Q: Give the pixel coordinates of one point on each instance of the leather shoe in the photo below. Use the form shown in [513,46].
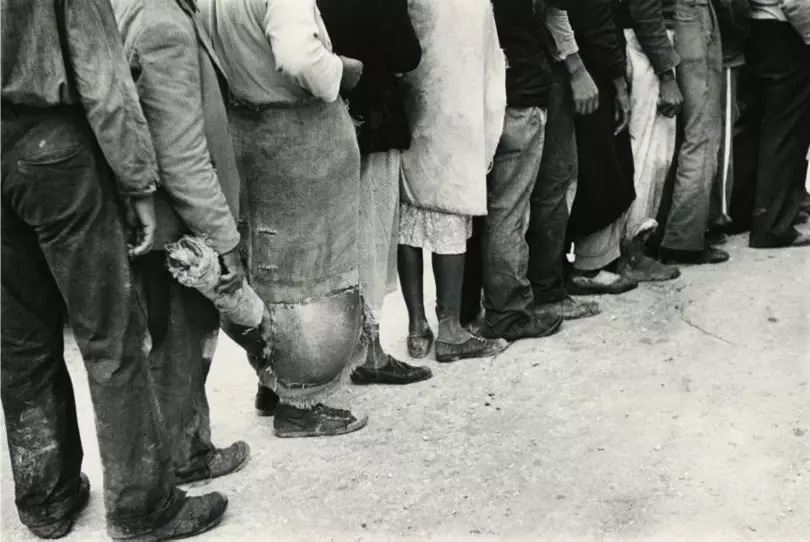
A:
[393,372]
[709,255]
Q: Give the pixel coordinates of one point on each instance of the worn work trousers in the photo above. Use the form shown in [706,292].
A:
[548,219]
[182,329]
[64,257]
[700,75]
[780,65]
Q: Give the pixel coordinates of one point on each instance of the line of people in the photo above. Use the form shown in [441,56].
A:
[319,149]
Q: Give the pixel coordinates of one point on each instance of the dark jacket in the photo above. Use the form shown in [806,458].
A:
[69,53]
[181,96]
[649,19]
[601,42]
[379,34]
[734,20]
[521,31]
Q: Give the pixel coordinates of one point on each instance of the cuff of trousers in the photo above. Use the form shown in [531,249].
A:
[120,527]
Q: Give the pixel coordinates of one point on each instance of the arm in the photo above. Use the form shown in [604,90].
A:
[560,28]
[292,29]
[170,91]
[598,36]
[108,95]
[648,24]
[585,93]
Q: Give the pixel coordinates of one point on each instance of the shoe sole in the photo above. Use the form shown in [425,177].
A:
[213,525]
[263,413]
[389,383]
[351,428]
[573,289]
[459,357]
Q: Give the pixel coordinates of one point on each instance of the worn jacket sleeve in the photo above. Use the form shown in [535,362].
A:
[170,91]
[598,38]
[292,28]
[648,24]
[108,94]
[560,29]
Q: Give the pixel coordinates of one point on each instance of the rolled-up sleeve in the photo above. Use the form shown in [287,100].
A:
[295,37]
[170,90]
[560,29]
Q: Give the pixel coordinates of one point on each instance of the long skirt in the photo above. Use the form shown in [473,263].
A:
[300,166]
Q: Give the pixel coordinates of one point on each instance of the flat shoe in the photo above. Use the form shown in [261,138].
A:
[394,372]
[419,345]
[474,347]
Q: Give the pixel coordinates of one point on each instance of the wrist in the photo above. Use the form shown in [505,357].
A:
[667,76]
[573,63]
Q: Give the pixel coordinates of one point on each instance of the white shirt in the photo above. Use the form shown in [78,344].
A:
[273,51]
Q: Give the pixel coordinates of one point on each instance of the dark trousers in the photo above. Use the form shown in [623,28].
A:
[64,257]
[548,220]
[183,326]
[779,62]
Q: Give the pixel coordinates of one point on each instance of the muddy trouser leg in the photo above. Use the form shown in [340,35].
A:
[64,255]
[183,329]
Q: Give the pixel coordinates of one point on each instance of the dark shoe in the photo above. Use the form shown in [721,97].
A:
[540,325]
[223,462]
[709,255]
[716,237]
[266,402]
[198,515]
[802,217]
[474,347]
[797,240]
[318,421]
[603,282]
[636,266]
[570,309]
[62,527]
[419,345]
[393,372]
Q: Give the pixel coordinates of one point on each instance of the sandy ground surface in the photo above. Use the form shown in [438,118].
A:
[681,413]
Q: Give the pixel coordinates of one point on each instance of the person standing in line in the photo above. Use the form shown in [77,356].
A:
[455,104]
[179,87]
[700,77]
[74,144]
[379,33]
[508,299]
[298,158]
[778,62]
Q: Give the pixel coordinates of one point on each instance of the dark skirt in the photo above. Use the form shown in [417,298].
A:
[605,188]
[300,167]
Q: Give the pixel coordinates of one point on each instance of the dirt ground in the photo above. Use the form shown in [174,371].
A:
[680,413]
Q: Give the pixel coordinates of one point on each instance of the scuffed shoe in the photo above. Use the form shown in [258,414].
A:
[318,421]
[474,347]
[603,282]
[708,255]
[570,309]
[223,462]
[266,402]
[62,528]
[419,345]
[638,267]
[197,515]
[393,372]
[538,326]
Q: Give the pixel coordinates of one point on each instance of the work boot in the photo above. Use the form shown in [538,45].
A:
[197,515]
[318,421]
[570,308]
[638,267]
[598,283]
[223,462]
[709,255]
[266,402]
[61,528]
[535,327]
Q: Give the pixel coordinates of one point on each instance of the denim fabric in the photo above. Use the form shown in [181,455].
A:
[64,257]
[507,291]
[70,53]
[548,219]
[778,60]
[700,75]
[182,329]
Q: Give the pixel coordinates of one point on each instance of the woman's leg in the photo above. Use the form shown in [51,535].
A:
[448,270]
[411,268]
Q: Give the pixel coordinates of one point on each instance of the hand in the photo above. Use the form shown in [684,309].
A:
[352,71]
[670,99]
[586,95]
[233,273]
[622,105]
[140,218]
